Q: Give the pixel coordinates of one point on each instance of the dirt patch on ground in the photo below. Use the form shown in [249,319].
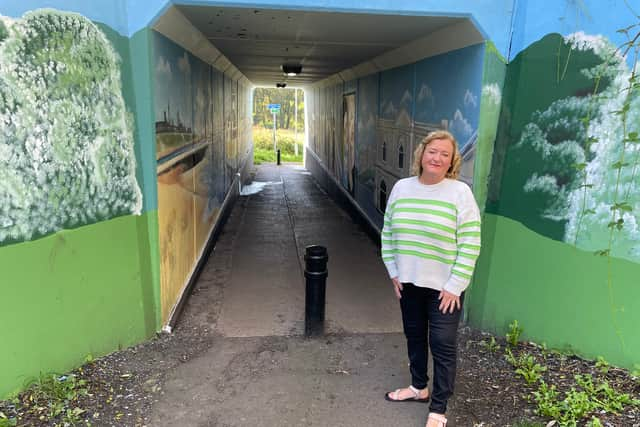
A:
[123,387]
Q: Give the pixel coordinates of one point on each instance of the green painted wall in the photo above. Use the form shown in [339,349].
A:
[94,288]
[140,63]
[74,293]
[559,294]
[551,202]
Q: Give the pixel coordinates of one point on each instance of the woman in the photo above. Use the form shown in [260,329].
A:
[430,243]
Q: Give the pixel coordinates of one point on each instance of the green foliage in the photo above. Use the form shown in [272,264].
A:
[491,345]
[6,421]
[594,422]
[513,336]
[578,403]
[268,156]
[285,119]
[602,365]
[525,366]
[59,395]
[263,146]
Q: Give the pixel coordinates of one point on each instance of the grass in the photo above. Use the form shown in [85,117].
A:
[268,156]
[285,138]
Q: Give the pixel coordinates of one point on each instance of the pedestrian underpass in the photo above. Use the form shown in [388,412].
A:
[374,85]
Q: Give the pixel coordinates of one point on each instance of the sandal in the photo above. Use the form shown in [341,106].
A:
[439,418]
[392,396]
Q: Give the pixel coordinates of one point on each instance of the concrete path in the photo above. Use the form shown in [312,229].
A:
[265,295]
[259,370]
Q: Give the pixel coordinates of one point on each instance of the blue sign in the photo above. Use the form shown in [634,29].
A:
[273,106]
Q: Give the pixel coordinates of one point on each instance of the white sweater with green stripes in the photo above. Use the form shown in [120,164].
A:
[431,234]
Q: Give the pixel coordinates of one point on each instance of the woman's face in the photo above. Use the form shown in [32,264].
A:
[436,159]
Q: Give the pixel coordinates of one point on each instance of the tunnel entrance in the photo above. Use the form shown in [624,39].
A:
[372,86]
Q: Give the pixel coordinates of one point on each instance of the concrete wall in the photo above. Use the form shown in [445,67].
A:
[561,250]
[78,238]
[81,227]
[203,137]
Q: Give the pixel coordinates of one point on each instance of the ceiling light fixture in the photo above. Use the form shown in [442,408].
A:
[281,85]
[291,69]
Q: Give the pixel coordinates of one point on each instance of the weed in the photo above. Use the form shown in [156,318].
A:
[491,345]
[58,395]
[602,365]
[579,403]
[594,422]
[6,421]
[526,366]
[546,398]
[513,336]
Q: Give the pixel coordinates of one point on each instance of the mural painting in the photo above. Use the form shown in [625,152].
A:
[66,140]
[439,99]
[571,163]
[367,117]
[395,110]
[191,162]
[348,141]
[493,74]
[393,130]
[203,136]
[450,100]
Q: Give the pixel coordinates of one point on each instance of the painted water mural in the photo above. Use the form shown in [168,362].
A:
[66,141]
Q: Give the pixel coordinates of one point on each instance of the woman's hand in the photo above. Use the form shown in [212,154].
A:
[448,302]
[397,287]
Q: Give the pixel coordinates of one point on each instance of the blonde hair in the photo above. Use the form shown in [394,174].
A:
[456,158]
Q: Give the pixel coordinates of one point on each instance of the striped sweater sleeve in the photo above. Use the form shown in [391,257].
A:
[468,244]
[386,245]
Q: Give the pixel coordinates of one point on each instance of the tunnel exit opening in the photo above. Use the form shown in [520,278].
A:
[278,125]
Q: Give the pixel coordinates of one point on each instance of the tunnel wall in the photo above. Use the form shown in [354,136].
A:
[561,236]
[78,215]
[392,111]
[88,200]
[203,137]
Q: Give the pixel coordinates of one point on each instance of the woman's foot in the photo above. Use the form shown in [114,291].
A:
[409,394]
[436,420]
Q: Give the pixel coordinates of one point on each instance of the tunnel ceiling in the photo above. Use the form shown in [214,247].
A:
[259,41]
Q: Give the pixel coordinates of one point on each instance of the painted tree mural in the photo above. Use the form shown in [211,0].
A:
[575,162]
[66,142]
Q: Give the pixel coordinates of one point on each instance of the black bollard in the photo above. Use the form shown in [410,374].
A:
[278,156]
[315,273]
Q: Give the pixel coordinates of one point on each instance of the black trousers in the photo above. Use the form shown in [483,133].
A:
[420,316]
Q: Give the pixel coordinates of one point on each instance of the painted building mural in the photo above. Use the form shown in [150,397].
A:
[395,110]
[200,142]
[66,138]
